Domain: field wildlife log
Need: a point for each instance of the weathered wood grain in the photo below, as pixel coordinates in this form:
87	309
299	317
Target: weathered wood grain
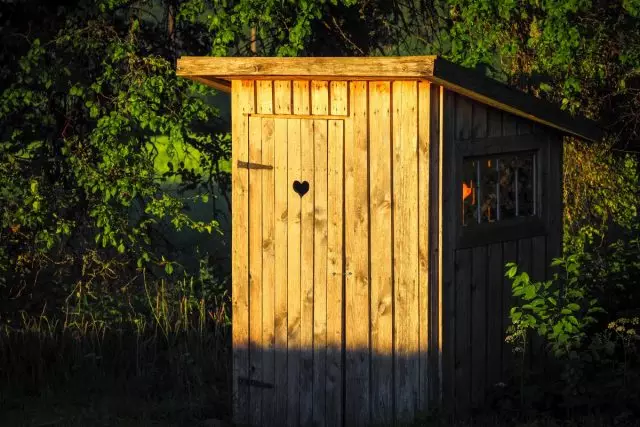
282	97
268	272
405	247
281	215
301	105
293	273
423	230
255	271
435	254
320	105
357	409
242	102
380	200
448	201
335	273
339	98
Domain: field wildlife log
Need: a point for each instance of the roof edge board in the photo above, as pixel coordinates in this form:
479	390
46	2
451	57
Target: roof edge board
491	92
251	67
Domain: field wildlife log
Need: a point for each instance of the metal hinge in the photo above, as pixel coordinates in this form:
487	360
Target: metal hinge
249	165
253	383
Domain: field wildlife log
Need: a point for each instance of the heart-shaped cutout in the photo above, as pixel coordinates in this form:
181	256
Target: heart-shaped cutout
300	187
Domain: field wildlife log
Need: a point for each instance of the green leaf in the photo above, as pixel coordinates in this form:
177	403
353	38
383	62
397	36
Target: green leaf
573	307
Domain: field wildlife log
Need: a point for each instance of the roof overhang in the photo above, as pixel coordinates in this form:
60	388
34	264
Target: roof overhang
217	72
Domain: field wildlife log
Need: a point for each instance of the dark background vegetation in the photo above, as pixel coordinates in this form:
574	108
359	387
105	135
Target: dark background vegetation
114	197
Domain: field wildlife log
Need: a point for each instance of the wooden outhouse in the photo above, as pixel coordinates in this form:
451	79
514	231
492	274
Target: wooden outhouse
375	203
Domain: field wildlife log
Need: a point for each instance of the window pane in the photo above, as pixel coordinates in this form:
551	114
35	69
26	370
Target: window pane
488	189
526	180
508	168
496	188
469	191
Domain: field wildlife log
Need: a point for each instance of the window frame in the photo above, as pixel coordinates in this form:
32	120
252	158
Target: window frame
512	228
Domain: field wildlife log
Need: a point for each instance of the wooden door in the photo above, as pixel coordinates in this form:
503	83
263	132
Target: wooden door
295	272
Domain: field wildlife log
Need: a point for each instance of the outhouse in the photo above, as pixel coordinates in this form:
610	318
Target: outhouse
375	202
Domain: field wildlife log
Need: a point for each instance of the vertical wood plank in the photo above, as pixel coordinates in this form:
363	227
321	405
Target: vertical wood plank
525	264
320	103
281	105
242	103
523	126
264	95
306	274
301	103
494	122
357	407
495	331
381	254
538	258
464	268
405	248
282	97
293	273
282	188
509	125
339	98
524	255
424	133
255	270
448	201
319	97
335	276
478	327
301	97
268	271
479	121
435	235
509	254
463	117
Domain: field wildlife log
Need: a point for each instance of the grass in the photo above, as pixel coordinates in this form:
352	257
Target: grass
165	362
167	366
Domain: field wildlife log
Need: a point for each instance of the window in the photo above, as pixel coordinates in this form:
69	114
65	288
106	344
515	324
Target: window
498	187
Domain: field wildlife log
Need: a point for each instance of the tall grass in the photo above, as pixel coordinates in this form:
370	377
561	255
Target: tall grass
172	347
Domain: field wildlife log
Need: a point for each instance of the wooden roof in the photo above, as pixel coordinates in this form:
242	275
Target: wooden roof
219	71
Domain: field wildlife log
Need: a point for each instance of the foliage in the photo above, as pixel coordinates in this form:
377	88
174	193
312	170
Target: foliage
86	96
583	56
578	52
600	190
589	363
558	310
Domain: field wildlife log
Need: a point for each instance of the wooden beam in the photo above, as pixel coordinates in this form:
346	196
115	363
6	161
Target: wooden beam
260	67
217	84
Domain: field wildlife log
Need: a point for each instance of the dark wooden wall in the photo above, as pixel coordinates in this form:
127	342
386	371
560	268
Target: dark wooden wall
473	297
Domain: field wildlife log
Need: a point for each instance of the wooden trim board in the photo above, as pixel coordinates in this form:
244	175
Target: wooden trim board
252	67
